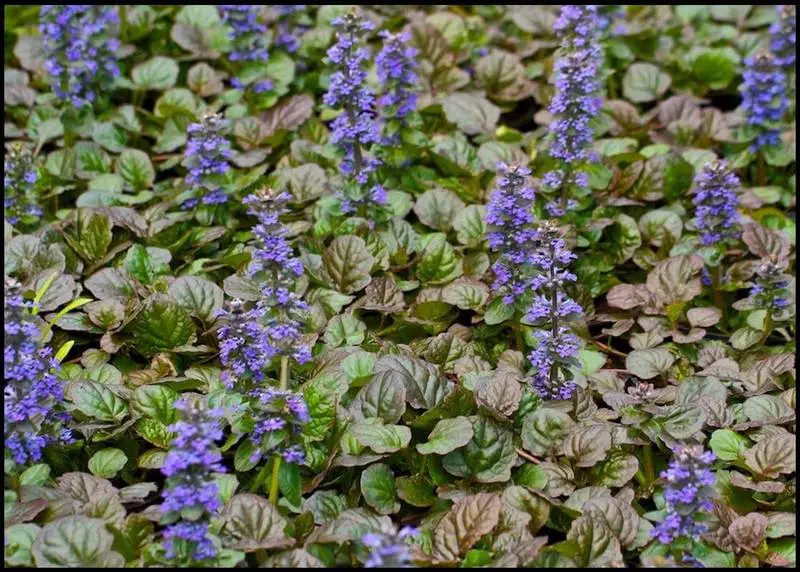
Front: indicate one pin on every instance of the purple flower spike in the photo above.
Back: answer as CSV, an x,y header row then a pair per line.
x,y
33,399
19,180
689,492
396,64
389,549
190,493
206,158
577,74
80,48
764,99
783,37
716,202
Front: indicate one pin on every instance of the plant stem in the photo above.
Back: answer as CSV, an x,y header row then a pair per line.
x,y
762,170
276,463
649,470
719,298
123,21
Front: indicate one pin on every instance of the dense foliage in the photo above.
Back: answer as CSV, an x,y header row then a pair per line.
x,y
320,286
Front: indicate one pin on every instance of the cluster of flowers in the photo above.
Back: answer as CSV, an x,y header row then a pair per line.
x,y
248,35
279,414
771,289
359,127
533,260
251,339
19,179
389,549
689,492
577,75
783,37
80,50
33,399
716,203
556,347
191,495
206,158
509,215
764,99
288,27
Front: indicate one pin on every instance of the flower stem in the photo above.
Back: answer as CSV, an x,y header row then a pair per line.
x,y
123,22
276,464
762,170
719,297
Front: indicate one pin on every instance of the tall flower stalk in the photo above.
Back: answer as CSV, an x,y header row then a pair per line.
x,y
688,494
251,339
19,184
206,158
80,46
557,347
783,38
248,36
764,100
288,26
357,127
509,215
716,203
396,66
33,399
578,81
191,496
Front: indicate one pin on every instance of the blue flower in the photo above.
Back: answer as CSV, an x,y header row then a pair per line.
x,y
783,37
33,399
357,127
248,35
688,493
771,289
19,180
389,549
556,347
509,215
764,99
191,495
276,410
288,27
206,158
80,48
396,64
716,203
251,339
577,75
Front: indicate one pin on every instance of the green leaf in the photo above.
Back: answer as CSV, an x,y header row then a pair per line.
x,y
324,505
586,446
156,401
91,236
728,445
35,475
595,543
425,387
161,325
107,463
378,488
488,457
647,364
472,114
437,208
469,520
344,330
97,401
448,435
158,73
290,483
135,168
716,67
255,524
200,296
466,293
76,542
470,226
347,264
616,471
381,438
416,490
645,82
384,397
439,264
18,544
498,312
544,429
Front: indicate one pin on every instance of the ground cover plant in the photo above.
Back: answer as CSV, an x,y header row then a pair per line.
x,y
432,286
